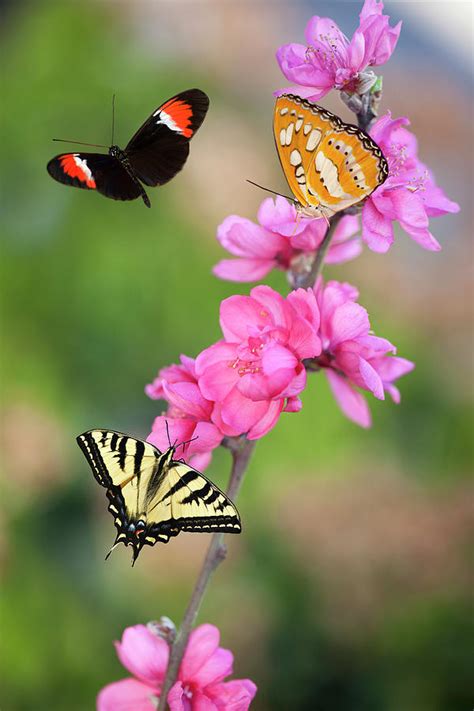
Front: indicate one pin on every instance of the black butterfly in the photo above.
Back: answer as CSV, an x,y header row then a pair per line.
x,y
154,155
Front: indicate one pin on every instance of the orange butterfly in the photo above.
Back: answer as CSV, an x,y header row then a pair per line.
x,y
329,165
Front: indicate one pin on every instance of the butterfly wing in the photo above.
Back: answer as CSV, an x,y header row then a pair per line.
x,y
327,163
145,485
186,500
160,147
94,171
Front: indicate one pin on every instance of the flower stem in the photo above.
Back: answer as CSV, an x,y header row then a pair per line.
x,y
241,449
308,278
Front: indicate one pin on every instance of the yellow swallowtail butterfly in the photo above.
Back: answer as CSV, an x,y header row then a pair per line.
x,y
152,495
329,165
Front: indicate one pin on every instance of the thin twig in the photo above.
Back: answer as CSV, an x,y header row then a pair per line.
x,y
241,449
307,278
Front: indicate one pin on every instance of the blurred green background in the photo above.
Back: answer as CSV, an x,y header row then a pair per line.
x,y
348,589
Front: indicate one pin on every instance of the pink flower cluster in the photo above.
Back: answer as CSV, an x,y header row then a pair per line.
x,y
242,383
352,357
279,239
409,195
200,685
330,61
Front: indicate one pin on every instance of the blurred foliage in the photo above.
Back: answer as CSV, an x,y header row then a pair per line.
x,y
96,297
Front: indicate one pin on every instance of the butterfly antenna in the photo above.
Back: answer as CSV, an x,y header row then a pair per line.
x,y
79,143
110,551
188,441
168,433
271,191
113,118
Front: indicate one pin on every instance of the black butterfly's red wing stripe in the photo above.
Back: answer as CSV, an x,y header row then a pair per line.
x,y
72,169
94,171
160,147
183,114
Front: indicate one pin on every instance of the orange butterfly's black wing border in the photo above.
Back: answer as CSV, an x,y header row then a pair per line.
x,y
94,171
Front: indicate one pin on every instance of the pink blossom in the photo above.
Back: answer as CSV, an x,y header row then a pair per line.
x,y
409,195
200,682
351,356
188,416
280,238
329,60
257,370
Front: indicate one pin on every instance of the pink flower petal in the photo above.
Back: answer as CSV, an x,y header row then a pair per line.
x,y
347,227
293,404
371,379
293,64
244,238
201,702
280,217
127,695
180,429
273,308
377,230
143,653
351,402
188,398
237,313
203,643
345,252
216,375
200,462
349,321
235,695
424,238
175,698
217,667
305,304
243,270
267,420
243,414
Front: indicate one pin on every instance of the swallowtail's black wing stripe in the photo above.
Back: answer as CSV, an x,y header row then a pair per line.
x,y
139,452
123,452
88,445
213,497
186,479
113,441
198,495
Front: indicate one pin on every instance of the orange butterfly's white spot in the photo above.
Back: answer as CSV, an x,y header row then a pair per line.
x,y
307,128
298,124
313,139
300,176
289,134
295,157
283,112
329,176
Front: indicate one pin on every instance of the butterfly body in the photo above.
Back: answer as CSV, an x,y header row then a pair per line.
x,y
153,496
153,156
329,165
